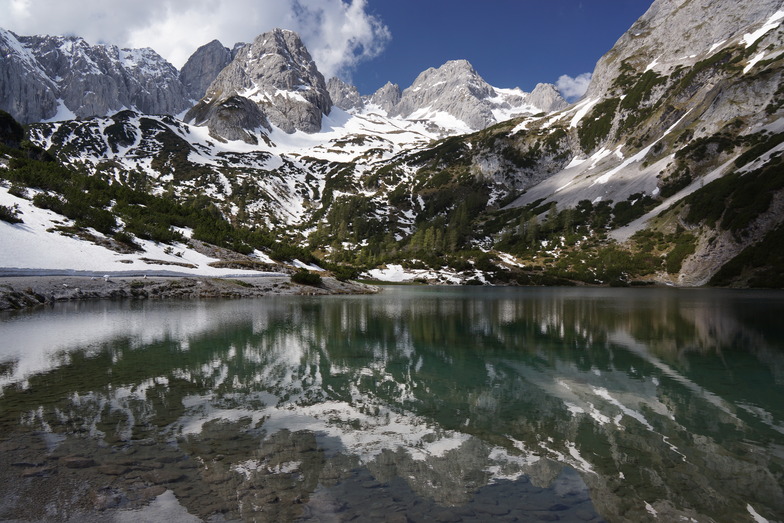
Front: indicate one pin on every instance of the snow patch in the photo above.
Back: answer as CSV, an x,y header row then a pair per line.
x,y
715,46
63,113
309,266
753,62
755,515
773,22
583,109
36,245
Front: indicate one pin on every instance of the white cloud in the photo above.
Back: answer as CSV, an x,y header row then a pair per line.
x,y
573,88
338,33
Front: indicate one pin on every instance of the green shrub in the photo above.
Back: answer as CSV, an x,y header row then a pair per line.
x,y
684,246
597,124
10,214
345,273
304,277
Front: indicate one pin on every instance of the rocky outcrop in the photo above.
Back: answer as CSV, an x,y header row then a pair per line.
x,y
387,97
26,92
235,118
667,36
547,98
277,73
46,74
203,67
343,95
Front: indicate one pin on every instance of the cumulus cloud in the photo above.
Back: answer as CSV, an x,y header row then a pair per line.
x,y
573,88
338,33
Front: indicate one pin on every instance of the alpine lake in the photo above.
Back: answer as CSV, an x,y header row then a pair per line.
x,y
415,404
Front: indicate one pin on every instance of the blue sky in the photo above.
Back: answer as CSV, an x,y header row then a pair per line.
x,y
511,43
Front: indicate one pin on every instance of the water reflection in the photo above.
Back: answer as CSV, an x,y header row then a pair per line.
x,y
580,404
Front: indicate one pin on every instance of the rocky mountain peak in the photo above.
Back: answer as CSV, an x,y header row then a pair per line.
x,y
69,75
547,98
386,97
277,73
203,67
343,95
453,74
457,90
26,92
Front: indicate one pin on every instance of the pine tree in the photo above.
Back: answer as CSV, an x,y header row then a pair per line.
x,y
532,232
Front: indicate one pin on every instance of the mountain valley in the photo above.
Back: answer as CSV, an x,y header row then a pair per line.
x,y
667,171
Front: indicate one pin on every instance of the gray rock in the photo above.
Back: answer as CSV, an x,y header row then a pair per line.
x,y
237,48
89,79
235,118
203,67
668,35
343,95
26,92
456,89
278,74
100,79
547,98
387,97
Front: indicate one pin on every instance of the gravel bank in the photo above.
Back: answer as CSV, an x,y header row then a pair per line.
x,y
22,292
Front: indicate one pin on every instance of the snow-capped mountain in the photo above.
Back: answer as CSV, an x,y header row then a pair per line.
x,y
386,97
47,77
665,116
278,75
456,90
675,153
452,97
26,91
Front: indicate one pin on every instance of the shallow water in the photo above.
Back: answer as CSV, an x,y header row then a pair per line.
x,y
418,404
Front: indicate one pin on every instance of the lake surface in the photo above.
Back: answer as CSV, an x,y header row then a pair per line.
x,y
417,404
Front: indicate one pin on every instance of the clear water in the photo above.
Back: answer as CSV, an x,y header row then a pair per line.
x,y
418,404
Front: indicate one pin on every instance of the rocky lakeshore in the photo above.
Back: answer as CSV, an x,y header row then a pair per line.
x,y
23,292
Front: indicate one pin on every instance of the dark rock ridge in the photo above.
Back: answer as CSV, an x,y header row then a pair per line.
x,y
235,118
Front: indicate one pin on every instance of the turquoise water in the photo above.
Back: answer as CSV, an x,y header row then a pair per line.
x,y
418,404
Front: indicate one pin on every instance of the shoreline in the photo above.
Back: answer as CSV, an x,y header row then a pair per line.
x,y
30,291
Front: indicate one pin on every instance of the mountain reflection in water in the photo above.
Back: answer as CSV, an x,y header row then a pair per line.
x,y
419,403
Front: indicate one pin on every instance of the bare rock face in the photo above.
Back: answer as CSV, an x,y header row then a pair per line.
x,y
667,36
26,92
277,73
343,95
203,67
99,79
42,72
454,88
235,118
547,98
387,97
